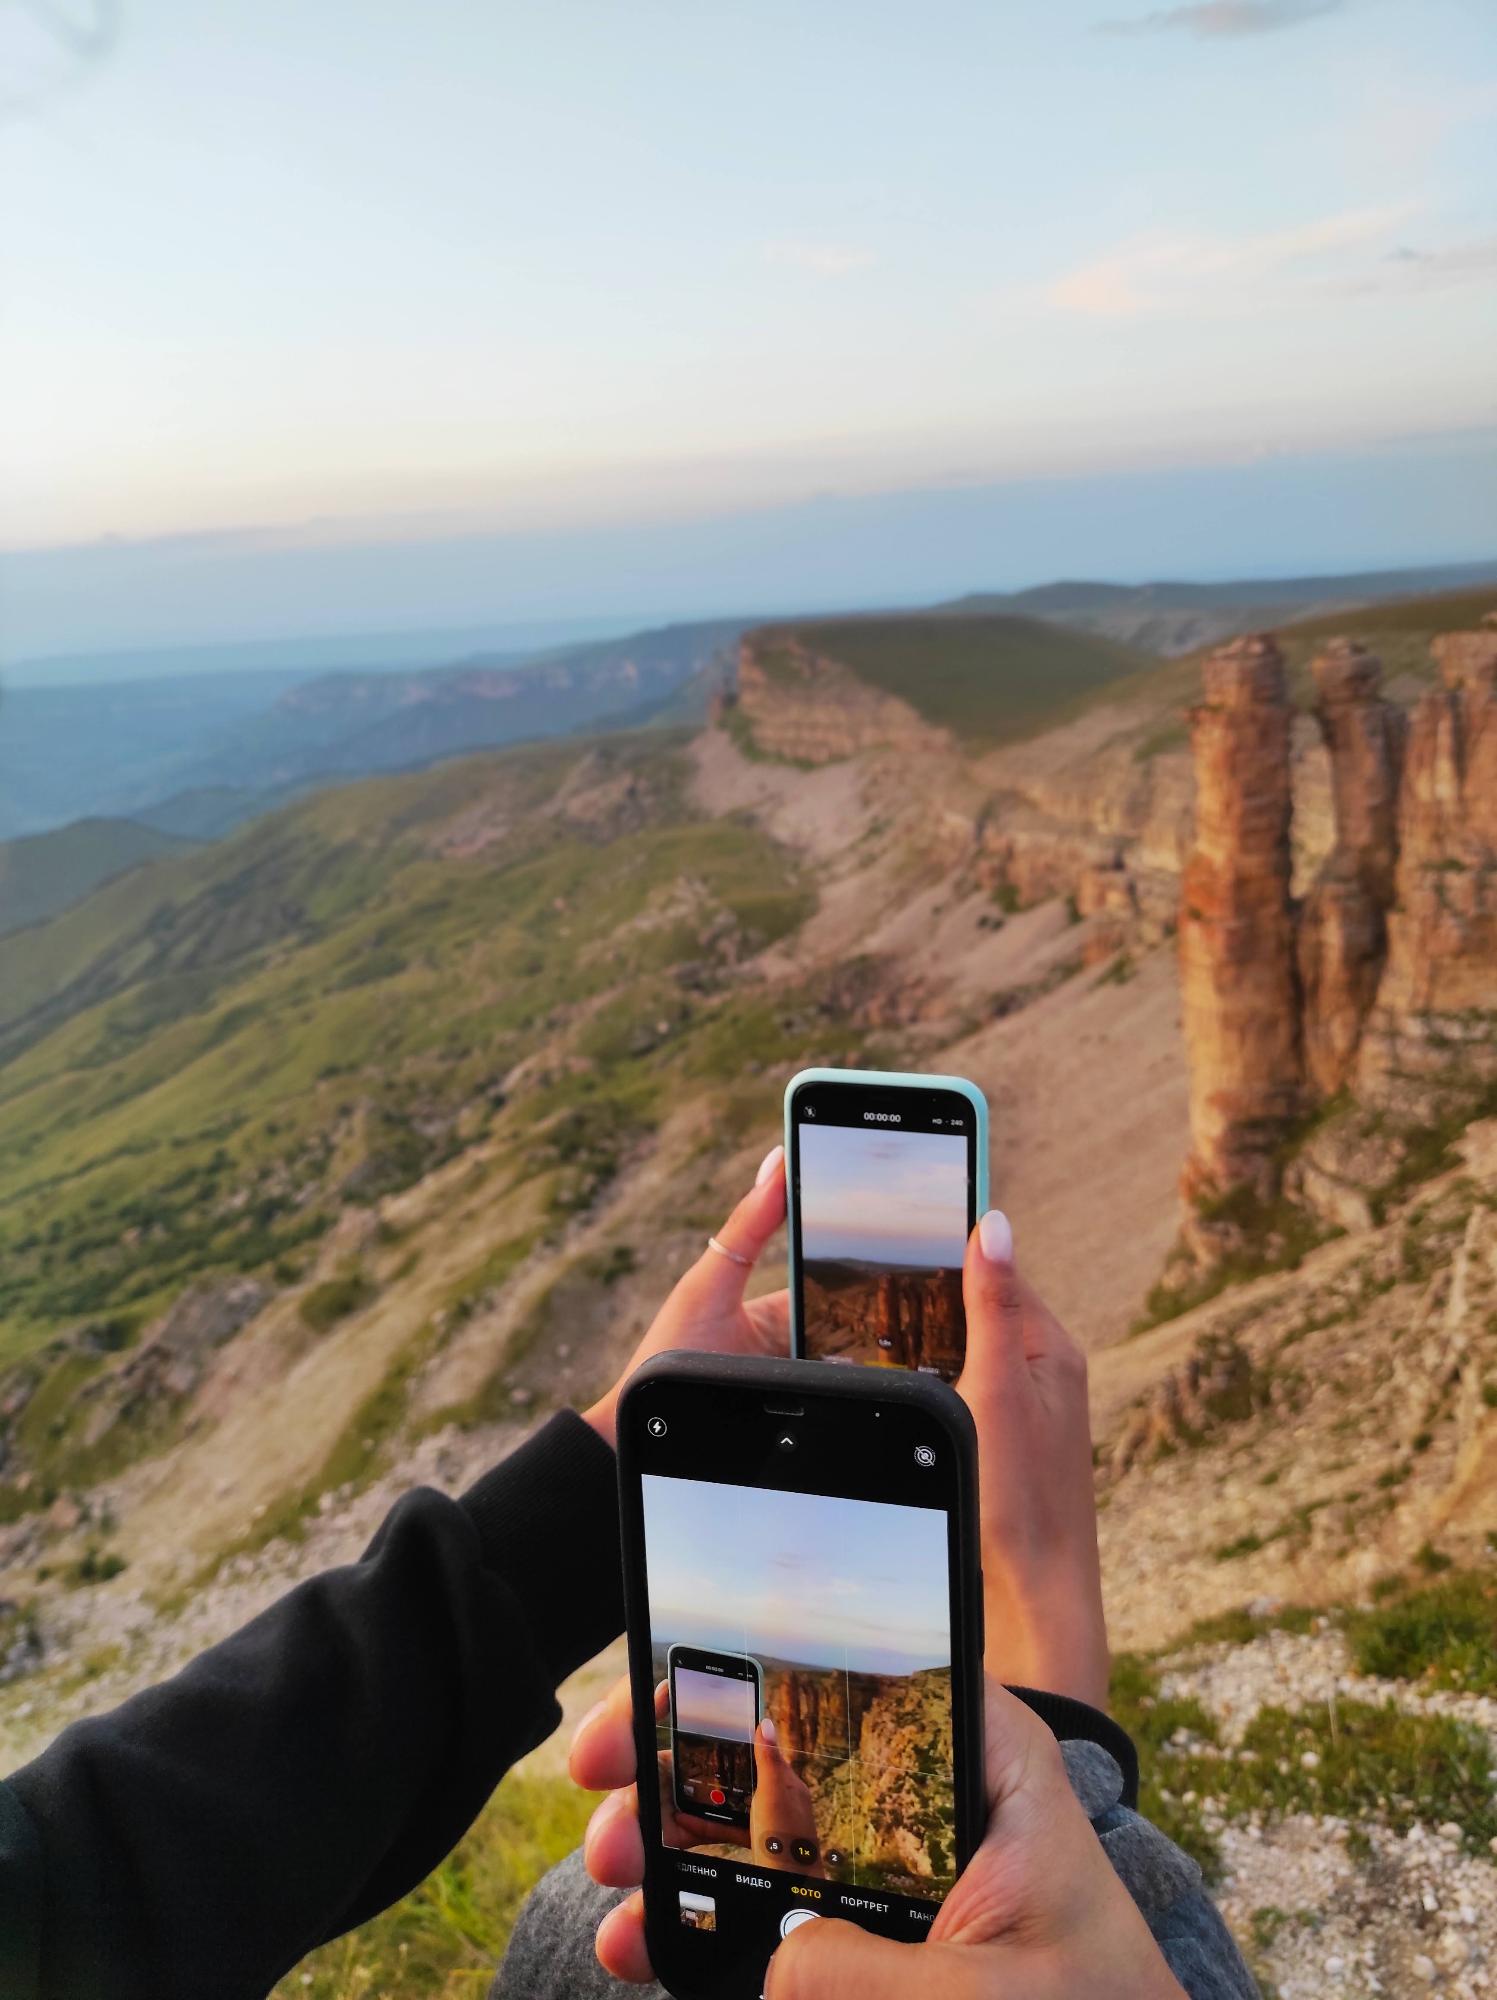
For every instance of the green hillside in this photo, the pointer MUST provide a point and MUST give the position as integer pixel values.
(1398, 633)
(44, 873)
(203, 1062)
(990, 680)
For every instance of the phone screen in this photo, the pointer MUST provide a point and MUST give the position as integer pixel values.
(714, 1710)
(883, 1197)
(800, 1578)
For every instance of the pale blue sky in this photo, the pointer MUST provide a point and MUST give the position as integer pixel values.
(347, 274)
(885, 1197)
(807, 1577)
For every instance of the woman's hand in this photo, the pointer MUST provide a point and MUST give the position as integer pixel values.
(782, 1818)
(1038, 1914)
(1025, 1384)
(707, 1310)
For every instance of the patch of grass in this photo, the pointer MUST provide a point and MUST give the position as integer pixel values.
(1276, 1236)
(442, 1941)
(1444, 1633)
(988, 678)
(1152, 1721)
(492, 1270)
(1170, 736)
(1240, 1627)
(1119, 970)
(1355, 1761)
(1245, 1545)
(95, 1565)
(335, 1298)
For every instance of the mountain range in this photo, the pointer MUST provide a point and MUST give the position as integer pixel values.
(341, 1148)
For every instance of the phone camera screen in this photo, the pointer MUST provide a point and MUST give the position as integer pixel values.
(884, 1183)
(802, 1644)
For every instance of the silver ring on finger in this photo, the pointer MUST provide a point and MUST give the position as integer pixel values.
(734, 1256)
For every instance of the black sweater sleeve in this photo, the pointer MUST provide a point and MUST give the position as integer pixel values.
(316, 1765)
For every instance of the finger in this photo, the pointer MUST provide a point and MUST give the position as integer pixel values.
(602, 1754)
(834, 1960)
(767, 1758)
(717, 1280)
(620, 1943)
(613, 1848)
(770, 1318)
(994, 1300)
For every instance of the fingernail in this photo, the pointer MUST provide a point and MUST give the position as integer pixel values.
(995, 1234)
(768, 1731)
(768, 1164)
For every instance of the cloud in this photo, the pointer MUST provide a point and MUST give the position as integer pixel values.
(47, 47)
(1405, 269)
(1162, 273)
(1222, 20)
(827, 260)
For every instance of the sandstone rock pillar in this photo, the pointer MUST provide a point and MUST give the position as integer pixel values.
(1430, 1047)
(1238, 974)
(1343, 926)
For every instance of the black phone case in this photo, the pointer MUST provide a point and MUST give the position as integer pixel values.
(794, 1378)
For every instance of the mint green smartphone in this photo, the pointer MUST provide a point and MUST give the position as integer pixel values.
(886, 1173)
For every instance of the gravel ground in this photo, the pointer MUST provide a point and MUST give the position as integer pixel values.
(1409, 1914)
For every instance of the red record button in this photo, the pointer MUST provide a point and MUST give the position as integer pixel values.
(718, 1796)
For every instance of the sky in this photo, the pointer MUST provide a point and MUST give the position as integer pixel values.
(887, 1197)
(713, 1705)
(853, 1584)
(470, 310)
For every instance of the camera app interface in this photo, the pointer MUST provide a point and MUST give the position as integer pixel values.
(842, 1608)
(884, 1204)
(714, 1707)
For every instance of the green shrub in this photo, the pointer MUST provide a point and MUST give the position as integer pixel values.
(1445, 1632)
(334, 1299)
(1152, 1720)
(442, 1941)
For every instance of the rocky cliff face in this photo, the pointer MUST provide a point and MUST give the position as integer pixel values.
(797, 705)
(818, 1713)
(892, 1805)
(1239, 982)
(1382, 980)
(1343, 926)
(1432, 1038)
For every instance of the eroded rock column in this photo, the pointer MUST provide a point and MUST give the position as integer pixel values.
(1238, 973)
(1430, 1046)
(1343, 926)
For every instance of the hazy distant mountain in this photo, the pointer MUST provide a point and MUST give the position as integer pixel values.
(1173, 618)
(47, 872)
(197, 754)
(75, 752)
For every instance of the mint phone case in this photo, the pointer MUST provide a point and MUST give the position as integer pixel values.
(887, 1079)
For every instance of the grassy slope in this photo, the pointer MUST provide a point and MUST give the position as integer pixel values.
(989, 680)
(43, 874)
(1398, 633)
(326, 993)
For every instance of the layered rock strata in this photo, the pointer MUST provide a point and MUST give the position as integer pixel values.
(1431, 1040)
(1238, 969)
(807, 709)
(1343, 924)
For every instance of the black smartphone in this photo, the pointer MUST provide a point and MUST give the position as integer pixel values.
(804, 1538)
(714, 1701)
(887, 1173)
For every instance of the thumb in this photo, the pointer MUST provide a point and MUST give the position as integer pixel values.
(995, 1304)
(834, 1960)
